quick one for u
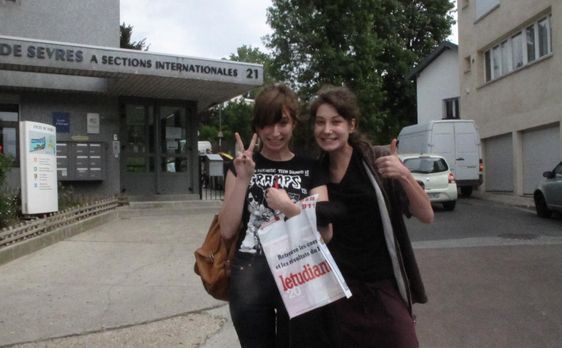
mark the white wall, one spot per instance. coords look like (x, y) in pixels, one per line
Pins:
(438, 81)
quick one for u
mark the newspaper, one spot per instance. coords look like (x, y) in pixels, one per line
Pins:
(303, 268)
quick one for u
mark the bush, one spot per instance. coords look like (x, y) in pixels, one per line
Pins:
(8, 200)
(67, 197)
(5, 166)
(9, 208)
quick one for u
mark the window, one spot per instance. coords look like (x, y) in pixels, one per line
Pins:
(506, 57)
(488, 65)
(530, 43)
(520, 49)
(451, 108)
(9, 117)
(544, 44)
(517, 50)
(426, 165)
(496, 61)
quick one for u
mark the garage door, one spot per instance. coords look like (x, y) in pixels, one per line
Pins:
(498, 164)
(541, 152)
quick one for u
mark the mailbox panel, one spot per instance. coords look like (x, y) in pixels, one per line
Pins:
(80, 161)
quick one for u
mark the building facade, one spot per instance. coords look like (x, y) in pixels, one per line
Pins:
(126, 120)
(437, 84)
(510, 84)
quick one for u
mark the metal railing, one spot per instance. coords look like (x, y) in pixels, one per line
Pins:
(212, 188)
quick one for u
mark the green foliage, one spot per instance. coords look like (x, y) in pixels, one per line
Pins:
(67, 197)
(249, 54)
(236, 116)
(5, 166)
(9, 208)
(126, 33)
(368, 45)
(8, 200)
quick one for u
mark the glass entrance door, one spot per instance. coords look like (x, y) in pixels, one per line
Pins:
(155, 156)
(173, 154)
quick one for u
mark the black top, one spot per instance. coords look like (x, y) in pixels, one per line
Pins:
(358, 245)
(297, 176)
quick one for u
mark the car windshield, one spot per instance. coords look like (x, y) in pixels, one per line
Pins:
(426, 165)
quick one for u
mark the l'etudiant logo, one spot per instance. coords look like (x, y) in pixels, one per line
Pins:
(307, 274)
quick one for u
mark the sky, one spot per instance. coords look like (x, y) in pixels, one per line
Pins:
(200, 28)
(197, 28)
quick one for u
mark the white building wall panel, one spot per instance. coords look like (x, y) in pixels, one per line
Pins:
(541, 152)
(438, 81)
(499, 164)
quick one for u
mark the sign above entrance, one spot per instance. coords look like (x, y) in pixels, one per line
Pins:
(47, 54)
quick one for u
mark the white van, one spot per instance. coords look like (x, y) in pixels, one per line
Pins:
(456, 140)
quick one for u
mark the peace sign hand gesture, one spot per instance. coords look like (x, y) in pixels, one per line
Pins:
(243, 162)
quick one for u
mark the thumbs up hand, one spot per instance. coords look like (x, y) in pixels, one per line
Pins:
(390, 166)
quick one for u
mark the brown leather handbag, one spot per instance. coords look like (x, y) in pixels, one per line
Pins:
(212, 261)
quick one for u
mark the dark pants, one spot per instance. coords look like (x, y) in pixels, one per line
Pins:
(256, 308)
(375, 316)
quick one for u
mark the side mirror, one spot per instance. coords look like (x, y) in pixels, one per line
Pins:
(548, 175)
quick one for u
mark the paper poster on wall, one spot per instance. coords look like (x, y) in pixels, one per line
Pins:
(93, 123)
(39, 192)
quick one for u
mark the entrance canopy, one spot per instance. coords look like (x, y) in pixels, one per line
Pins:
(48, 65)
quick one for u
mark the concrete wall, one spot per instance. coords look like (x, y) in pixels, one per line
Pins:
(438, 81)
(524, 99)
(92, 22)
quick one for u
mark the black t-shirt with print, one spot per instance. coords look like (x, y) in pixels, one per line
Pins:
(297, 176)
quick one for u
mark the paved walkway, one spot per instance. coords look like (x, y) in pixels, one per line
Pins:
(130, 283)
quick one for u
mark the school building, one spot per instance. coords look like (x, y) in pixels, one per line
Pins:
(126, 120)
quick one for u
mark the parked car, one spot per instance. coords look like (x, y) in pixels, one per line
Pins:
(456, 140)
(548, 195)
(433, 173)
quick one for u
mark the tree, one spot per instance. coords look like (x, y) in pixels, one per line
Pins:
(235, 116)
(249, 54)
(125, 39)
(367, 45)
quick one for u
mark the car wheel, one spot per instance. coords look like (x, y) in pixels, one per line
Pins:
(449, 205)
(540, 206)
(466, 191)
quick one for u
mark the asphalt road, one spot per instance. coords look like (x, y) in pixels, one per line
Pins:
(492, 273)
(476, 218)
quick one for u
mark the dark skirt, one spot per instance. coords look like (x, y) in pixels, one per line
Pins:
(375, 316)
